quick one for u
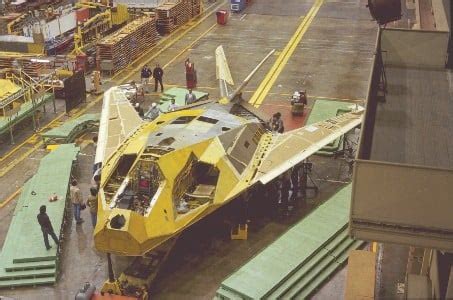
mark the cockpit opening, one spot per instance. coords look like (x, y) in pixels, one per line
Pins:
(194, 186)
(114, 182)
(137, 189)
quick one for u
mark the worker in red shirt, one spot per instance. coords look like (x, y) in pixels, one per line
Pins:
(191, 74)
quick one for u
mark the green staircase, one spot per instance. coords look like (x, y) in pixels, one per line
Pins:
(24, 259)
(297, 263)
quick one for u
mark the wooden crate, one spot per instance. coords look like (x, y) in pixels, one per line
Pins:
(171, 15)
(123, 46)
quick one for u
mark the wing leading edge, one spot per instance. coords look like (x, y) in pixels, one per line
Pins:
(118, 120)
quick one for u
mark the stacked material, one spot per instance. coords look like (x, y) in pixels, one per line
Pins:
(122, 47)
(67, 132)
(24, 259)
(324, 109)
(196, 8)
(171, 15)
(30, 64)
(297, 263)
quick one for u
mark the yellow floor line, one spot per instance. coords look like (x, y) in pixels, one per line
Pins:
(18, 160)
(136, 69)
(190, 45)
(11, 197)
(284, 56)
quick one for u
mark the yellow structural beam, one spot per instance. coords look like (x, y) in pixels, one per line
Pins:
(265, 86)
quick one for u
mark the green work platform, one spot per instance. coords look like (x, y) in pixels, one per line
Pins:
(26, 111)
(298, 262)
(179, 94)
(24, 259)
(324, 109)
(67, 132)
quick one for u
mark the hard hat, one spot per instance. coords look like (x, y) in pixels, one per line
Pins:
(137, 104)
(153, 105)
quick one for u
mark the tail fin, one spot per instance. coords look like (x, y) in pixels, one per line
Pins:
(223, 73)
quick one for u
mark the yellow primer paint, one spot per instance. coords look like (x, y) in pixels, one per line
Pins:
(265, 86)
(144, 232)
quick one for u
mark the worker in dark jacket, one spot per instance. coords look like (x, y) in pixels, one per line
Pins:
(158, 74)
(275, 124)
(46, 227)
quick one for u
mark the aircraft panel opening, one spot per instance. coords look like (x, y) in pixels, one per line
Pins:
(194, 186)
(207, 120)
(145, 182)
(167, 141)
(183, 120)
(138, 188)
(122, 168)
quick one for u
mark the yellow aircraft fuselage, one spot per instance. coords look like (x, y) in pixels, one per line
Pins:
(170, 173)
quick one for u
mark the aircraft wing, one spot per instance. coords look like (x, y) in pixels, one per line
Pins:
(289, 149)
(118, 120)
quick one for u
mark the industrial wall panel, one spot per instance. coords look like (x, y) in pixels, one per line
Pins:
(391, 198)
(414, 48)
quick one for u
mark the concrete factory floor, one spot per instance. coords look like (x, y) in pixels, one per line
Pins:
(332, 60)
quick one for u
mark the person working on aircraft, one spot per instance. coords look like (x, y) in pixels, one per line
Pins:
(153, 112)
(173, 106)
(158, 74)
(139, 110)
(276, 124)
(190, 97)
(92, 203)
(46, 227)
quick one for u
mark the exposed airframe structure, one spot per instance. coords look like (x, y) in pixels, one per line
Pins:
(160, 177)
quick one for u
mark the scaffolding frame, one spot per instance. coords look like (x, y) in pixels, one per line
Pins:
(34, 91)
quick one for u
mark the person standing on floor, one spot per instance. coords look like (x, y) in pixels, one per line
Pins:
(46, 227)
(158, 74)
(145, 75)
(191, 74)
(76, 200)
(190, 97)
(92, 203)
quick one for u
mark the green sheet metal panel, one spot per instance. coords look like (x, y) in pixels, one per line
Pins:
(66, 128)
(179, 94)
(324, 109)
(24, 243)
(295, 247)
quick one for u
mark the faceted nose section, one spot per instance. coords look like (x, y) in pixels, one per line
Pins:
(124, 233)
